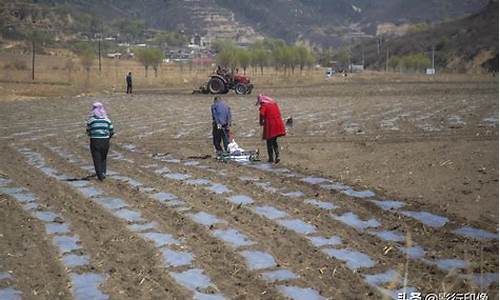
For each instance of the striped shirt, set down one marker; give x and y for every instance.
(99, 128)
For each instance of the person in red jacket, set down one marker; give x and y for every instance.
(272, 124)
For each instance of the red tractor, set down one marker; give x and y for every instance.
(222, 83)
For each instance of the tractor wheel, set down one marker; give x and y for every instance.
(216, 86)
(240, 89)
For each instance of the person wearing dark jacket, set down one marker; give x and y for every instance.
(221, 121)
(129, 83)
(100, 131)
(272, 126)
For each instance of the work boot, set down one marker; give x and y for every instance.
(277, 160)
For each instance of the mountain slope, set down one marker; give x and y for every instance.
(328, 22)
(322, 22)
(466, 44)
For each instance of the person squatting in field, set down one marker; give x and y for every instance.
(272, 125)
(221, 121)
(100, 131)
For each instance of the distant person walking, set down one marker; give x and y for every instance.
(100, 131)
(221, 121)
(272, 126)
(129, 83)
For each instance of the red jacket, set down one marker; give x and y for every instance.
(270, 119)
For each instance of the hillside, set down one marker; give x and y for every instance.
(467, 44)
(329, 23)
(322, 22)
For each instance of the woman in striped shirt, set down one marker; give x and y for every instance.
(100, 130)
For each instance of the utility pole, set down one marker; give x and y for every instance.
(363, 55)
(349, 60)
(99, 46)
(99, 43)
(349, 63)
(434, 70)
(378, 47)
(387, 60)
(33, 44)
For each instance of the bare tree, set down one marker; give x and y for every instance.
(87, 57)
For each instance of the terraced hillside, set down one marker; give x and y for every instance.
(170, 223)
(325, 23)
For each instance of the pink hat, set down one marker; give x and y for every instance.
(98, 110)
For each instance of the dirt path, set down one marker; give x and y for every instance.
(116, 251)
(27, 257)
